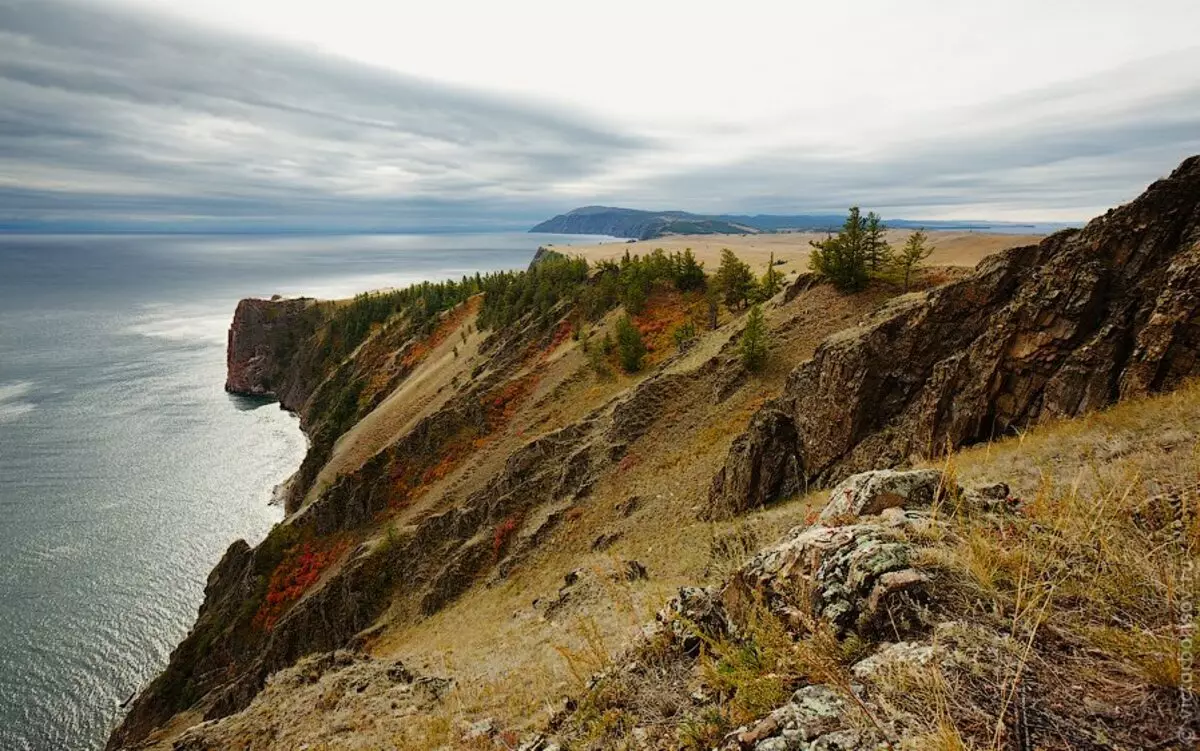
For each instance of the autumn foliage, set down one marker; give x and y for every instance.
(449, 324)
(503, 534)
(299, 570)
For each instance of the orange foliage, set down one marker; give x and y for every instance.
(448, 326)
(502, 535)
(561, 334)
(503, 406)
(299, 570)
(665, 310)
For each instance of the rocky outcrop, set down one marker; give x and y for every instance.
(871, 493)
(265, 347)
(1081, 320)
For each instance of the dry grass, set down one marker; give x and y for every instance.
(952, 248)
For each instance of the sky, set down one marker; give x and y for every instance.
(392, 114)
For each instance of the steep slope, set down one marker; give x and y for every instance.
(456, 477)
(1072, 324)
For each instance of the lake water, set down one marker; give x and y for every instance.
(125, 470)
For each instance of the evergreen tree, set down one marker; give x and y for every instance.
(910, 257)
(712, 296)
(842, 258)
(689, 274)
(754, 343)
(771, 282)
(735, 280)
(684, 335)
(630, 347)
(877, 251)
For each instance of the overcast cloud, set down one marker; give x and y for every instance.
(116, 115)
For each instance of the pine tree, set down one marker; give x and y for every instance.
(911, 255)
(712, 296)
(842, 258)
(630, 347)
(754, 343)
(876, 250)
(684, 335)
(771, 282)
(735, 279)
(689, 274)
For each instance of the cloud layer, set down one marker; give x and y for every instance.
(107, 114)
(111, 117)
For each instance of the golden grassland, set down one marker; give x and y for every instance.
(1088, 580)
(951, 248)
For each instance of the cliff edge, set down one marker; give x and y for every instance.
(486, 481)
(1082, 320)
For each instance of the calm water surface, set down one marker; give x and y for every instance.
(125, 470)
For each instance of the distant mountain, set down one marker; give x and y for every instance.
(646, 225)
(642, 225)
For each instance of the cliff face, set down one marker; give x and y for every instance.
(267, 347)
(1073, 324)
(445, 460)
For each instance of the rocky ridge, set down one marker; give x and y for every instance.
(872, 385)
(1084, 319)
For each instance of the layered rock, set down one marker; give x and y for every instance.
(1081, 320)
(266, 345)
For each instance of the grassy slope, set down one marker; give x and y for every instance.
(513, 644)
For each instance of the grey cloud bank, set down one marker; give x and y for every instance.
(114, 119)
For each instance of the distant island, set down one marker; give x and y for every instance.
(647, 225)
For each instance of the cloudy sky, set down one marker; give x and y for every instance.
(359, 114)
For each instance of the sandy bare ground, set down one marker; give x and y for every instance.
(950, 248)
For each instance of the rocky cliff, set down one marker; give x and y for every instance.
(1073, 324)
(268, 348)
(456, 476)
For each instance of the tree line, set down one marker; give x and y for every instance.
(860, 251)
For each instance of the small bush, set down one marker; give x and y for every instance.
(684, 335)
(630, 347)
(754, 344)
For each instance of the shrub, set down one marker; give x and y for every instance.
(754, 343)
(630, 347)
(684, 334)
(843, 258)
(734, 279)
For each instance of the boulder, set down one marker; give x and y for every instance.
(858, 577)
(871, 493)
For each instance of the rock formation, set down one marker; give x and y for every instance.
(1075, 323)
(266, 344)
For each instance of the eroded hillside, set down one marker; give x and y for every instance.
(491, 509)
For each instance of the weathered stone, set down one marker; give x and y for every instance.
(264, 342)
(992, 497)
(854, 576)
(693, 613)
(900, 653)
(871, 493)
(763, 464)
(848, 740)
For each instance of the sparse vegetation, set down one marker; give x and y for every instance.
(684, 334)
(630, 347)
(754, 343)
(734, 280)
(910, 257)
(843, 258)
